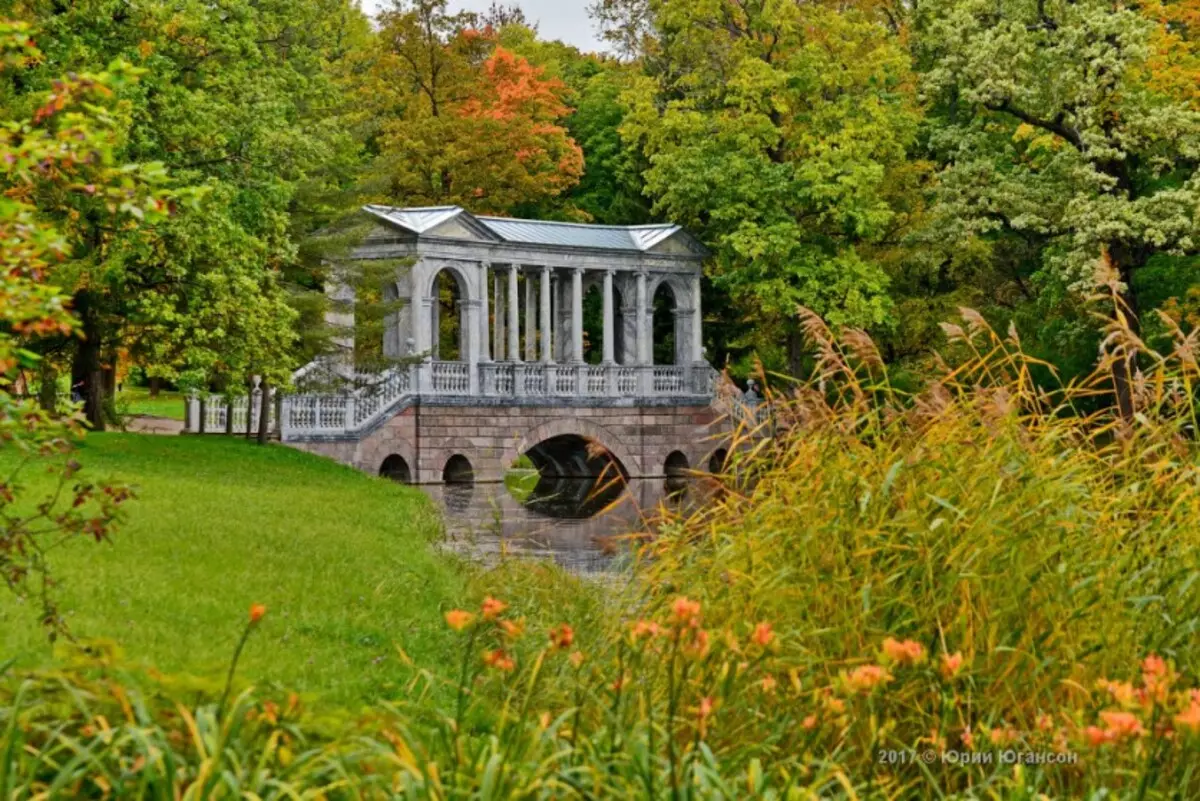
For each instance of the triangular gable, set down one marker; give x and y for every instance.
(673, 241)
(449, 221)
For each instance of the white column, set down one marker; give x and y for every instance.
(644, 350)
(435, 320)
(484, 351)
(530, 320)
(608, 317)
(514, 312)
(547, 322)
(577, 314)
(697, 334)
(498, 326)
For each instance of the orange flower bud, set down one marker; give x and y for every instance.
(257, 611)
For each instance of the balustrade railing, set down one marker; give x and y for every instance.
(668, 380)
(534, 379)
(451, 378)
(217, 410)
(596, 380)
(371, 398)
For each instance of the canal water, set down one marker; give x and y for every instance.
(583, 524)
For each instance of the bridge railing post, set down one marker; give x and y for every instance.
(519, 378)
(581, 387)
(285, 418)
(550, 376)
(645, 380)
(424, 383)
(610, 381)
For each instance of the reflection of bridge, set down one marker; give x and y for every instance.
(605, 348)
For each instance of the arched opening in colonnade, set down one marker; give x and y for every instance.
(664, 328)
(448, 331)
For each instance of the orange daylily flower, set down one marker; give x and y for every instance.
(644, 628)
(492, 608)
(459, 619)
(685, 611)
(500, 660)
(257, 612)
(1190, 718)
(762, 634)
(1122, 724)
(951, 664)
(867, 677)
(908, 652)
(561, 636)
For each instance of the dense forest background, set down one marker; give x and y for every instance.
(881, 163)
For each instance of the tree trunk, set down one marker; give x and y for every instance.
(249, 408)
(228, 412)
(795, 353)
(155, 386)
(88, 367)
(203, 412)
(1126, 261)
(264, 412)
(48, 389)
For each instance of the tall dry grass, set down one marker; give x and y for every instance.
(978, 591)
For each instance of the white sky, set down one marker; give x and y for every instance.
(556, 19)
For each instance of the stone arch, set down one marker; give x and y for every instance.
(676, 464)
(580, 426)
(396, 468)
(716, 462)
(457, 271)
(458, 470)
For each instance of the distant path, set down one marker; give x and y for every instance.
(146, 424)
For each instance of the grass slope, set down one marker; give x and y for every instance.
(342, 560)
(137, 400)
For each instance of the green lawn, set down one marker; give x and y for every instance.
(137, 400)
(342, 560)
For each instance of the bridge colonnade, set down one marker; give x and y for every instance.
(553, 317)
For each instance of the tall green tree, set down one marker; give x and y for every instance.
(238, 102)
(1050, 130)
(772, 129)
(65, 147)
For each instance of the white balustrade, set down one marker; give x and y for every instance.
(377, 396)
(596, 380)
(668, 380)
(534, 378)
(626, 380)
(451, 378)
(566, 381)
(217, 410)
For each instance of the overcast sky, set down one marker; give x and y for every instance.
(556, 19)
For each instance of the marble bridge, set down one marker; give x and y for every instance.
(576, 345)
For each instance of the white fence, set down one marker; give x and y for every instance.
(216, 411)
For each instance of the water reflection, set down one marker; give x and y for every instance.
(580, 523)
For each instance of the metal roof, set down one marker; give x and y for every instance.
(533, 232)
(418, 219)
